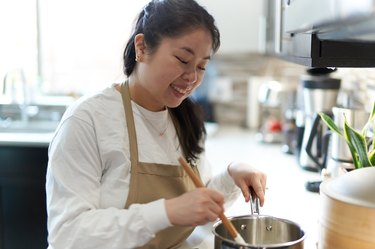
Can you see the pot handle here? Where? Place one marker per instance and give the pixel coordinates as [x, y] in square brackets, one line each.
[254, 203]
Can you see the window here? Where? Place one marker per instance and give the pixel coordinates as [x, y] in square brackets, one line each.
[18, 43]
[80, 42]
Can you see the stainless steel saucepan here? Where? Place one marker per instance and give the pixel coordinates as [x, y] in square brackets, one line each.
[260, 232]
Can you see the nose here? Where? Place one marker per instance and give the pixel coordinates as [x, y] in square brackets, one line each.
[191, 76]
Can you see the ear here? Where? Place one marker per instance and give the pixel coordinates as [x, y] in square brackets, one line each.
[139, 45]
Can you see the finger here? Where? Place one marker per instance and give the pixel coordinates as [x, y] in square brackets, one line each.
[213, 200]
[217, 197]
[211, 216]
[217, 207]
[259, 191]
[245, 191]
[210, 212]
[214, 209]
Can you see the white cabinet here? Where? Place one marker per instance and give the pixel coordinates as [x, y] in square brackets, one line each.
[241, 24]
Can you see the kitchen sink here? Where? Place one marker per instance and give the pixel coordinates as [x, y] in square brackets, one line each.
[31, 118]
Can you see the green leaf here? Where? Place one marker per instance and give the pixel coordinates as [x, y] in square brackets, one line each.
[371, 157]
[358, 142]
[356, 162]
[372, 114]
[330, 123]
[369, 121]
[353, 152]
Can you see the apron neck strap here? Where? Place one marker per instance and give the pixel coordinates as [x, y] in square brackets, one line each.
[126, 100]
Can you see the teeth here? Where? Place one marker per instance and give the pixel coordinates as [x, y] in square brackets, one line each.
[181, 90]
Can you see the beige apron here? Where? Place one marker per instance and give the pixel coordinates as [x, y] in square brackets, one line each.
[152, 181]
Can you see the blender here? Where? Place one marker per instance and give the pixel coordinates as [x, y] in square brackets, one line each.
[320, 93]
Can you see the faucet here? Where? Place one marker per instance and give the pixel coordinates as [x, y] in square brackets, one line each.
[17, 90]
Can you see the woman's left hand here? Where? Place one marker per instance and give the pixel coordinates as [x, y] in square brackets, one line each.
[247, 177]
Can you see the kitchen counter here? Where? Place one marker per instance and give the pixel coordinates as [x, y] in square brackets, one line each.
[286, 196]
[30, 133]
[26, 139]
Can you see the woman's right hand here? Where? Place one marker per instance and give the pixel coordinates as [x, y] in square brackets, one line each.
[197, 207]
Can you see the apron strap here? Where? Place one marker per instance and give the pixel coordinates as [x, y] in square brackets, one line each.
[126, 100]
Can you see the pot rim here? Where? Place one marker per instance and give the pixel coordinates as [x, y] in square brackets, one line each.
[289, 243]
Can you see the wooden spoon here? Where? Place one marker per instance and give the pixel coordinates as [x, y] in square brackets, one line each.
[198, 183]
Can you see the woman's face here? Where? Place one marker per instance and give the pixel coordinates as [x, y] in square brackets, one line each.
[168, 75]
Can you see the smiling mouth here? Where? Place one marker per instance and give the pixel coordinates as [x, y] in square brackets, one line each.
[182, 90]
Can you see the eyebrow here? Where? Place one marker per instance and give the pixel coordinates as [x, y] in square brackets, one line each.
[191, 51]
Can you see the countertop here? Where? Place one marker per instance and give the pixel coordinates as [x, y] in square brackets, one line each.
[28, 133]
[28, 139]
[286, 196]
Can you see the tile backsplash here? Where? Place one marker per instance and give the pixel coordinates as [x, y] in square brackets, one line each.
[237, 78]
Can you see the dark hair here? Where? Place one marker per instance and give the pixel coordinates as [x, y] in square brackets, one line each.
[171, 18]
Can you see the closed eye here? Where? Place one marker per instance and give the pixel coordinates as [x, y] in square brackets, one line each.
[181, 60]
[186, 62]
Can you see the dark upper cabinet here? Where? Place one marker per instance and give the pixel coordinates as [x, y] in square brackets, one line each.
[322, 33]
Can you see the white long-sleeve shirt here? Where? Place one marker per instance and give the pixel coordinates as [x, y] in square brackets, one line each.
[88, 175]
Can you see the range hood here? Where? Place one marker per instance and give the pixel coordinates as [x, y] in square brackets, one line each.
[326, 33]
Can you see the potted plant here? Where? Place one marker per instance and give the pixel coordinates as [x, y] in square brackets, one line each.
[361, 148]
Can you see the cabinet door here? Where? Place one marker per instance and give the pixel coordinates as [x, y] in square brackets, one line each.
[23, 216]
[242, 24]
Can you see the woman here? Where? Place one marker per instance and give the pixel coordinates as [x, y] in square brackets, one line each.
[113, 177]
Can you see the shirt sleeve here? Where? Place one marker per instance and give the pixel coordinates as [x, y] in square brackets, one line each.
[75, 217]
[222, 181]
